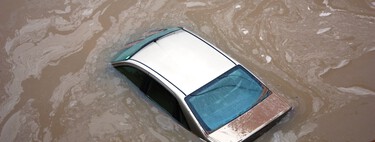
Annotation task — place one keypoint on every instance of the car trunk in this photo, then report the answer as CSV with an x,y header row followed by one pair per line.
x,y
252,121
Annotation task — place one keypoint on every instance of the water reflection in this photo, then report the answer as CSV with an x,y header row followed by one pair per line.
x,y
57,84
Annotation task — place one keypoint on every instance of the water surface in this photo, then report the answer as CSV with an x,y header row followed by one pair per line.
x,y
57,83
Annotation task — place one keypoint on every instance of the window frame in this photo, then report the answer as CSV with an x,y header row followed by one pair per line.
x,y
154,79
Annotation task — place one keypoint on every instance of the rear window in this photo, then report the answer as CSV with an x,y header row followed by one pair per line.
x,y
225,98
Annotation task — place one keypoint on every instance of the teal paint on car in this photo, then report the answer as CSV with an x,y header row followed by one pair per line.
x,y
127,53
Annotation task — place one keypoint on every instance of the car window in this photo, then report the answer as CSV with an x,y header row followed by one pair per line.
x,y
134,75
155,91
226,98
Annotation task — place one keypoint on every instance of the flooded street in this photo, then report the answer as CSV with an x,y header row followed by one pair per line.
x,y
57,84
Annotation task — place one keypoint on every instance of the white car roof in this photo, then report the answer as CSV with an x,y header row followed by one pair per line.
x,y
185,60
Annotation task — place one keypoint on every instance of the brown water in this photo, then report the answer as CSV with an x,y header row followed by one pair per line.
x,y
57,83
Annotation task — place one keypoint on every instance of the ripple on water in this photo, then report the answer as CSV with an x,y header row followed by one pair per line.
x,y
355,76
356,90
291,136
22,125
165,122
108,123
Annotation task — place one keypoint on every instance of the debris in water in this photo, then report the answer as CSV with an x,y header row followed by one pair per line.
x,y
320,31
194,4
245,31
341,64
87,12
324,14
268,59
260,37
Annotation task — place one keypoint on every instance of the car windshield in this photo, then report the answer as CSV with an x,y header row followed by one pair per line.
x,y
225,98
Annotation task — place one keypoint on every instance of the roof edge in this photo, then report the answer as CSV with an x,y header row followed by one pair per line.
x,y
138,45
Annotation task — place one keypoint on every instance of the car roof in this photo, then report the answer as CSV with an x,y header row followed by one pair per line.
x,y
184,60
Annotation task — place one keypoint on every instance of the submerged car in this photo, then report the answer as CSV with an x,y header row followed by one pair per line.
x,y
202,88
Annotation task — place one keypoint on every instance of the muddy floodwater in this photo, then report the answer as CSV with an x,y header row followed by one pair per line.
x,y
57,84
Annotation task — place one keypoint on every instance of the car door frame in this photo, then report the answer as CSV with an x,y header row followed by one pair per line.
x,y
193,123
